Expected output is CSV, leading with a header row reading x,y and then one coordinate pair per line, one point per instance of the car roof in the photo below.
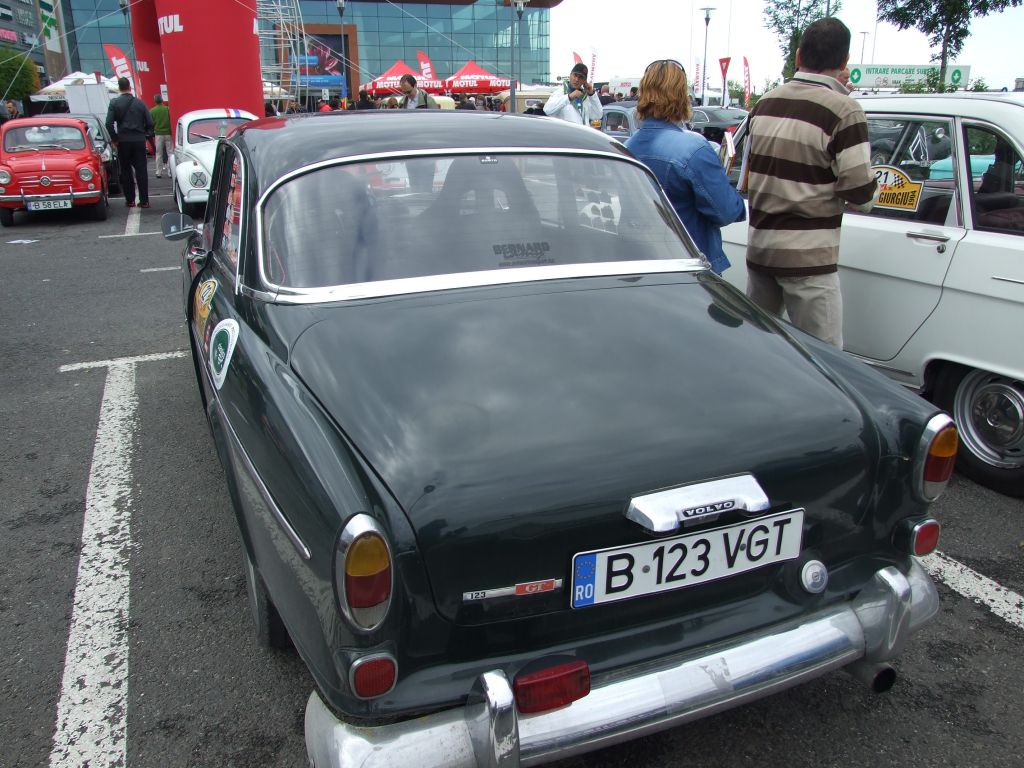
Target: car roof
x,y
63,119
953,103
276,146
206,114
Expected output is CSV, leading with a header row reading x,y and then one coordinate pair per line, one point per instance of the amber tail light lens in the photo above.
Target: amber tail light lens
x,y
363,573
936,457
551,688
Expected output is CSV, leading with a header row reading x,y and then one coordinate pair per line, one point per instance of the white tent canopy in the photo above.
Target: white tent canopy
x,y
55,91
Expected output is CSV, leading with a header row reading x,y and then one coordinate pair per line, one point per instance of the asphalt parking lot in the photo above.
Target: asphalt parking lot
x,y
104,429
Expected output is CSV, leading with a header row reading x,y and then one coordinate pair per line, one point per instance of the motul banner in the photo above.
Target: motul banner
x,y
746,83
121,65
426,66
202,72
149,60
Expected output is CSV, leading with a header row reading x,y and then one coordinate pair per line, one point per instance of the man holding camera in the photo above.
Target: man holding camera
x,y
575,100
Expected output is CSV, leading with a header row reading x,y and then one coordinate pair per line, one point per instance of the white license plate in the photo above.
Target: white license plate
x,y
634,570
48,205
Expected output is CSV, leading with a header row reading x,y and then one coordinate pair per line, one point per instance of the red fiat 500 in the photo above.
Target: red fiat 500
x,y
48,163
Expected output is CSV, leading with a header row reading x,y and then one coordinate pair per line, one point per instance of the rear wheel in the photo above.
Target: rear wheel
x,y
270,630
989,413
6,217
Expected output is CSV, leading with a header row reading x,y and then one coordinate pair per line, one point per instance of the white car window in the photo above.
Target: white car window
x,y
996,183
914,163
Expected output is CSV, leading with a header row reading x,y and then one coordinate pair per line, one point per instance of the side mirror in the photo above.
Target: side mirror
x,y
177,226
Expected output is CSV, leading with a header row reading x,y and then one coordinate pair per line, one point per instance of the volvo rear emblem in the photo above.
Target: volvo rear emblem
x,y
707,509
45,181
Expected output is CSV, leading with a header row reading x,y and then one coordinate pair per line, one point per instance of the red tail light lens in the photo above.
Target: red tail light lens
x,y
731,129
373,676
363,573
551,688
937,457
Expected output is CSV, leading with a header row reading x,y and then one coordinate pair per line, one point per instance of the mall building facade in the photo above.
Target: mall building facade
x,y
372,35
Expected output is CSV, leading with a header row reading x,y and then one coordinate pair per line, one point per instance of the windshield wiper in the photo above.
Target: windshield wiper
x,y
204,136
53,146
22,148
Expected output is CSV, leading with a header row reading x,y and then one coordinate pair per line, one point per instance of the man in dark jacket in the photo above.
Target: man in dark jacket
x,y
134,125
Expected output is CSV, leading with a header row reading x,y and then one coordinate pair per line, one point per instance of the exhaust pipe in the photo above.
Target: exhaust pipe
x,y
878,677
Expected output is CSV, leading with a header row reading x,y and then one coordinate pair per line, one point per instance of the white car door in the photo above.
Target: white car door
x,y
893,260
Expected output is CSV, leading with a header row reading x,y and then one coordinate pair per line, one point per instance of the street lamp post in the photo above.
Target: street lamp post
x,y
704,69
519,6
344,47
863,40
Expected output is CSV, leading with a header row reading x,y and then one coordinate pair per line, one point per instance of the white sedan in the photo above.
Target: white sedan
x,y
195,146
933,277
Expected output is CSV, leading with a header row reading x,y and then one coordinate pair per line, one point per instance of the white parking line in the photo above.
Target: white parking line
x,y
93,706
131,226
1003,602
160,269
128,234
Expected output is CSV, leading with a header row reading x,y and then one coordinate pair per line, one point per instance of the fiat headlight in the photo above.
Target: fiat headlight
x,y
85,174
5,177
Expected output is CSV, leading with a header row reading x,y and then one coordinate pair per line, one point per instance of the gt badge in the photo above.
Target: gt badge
x,y
519,590
222,345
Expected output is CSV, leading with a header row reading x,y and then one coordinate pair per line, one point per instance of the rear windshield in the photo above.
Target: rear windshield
x,y
440,215
726,114
36,137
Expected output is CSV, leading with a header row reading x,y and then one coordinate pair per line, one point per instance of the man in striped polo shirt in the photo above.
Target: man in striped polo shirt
x,y
808,158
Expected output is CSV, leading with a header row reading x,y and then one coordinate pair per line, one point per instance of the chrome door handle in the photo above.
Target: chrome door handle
x,y
927,236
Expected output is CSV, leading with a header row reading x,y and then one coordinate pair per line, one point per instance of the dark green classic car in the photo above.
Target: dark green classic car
x,y
515,472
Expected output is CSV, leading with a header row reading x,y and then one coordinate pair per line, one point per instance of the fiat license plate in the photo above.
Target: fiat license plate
x,y
634,570
48,205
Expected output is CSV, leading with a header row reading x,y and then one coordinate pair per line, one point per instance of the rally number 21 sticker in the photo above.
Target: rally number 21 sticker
x,y
222,345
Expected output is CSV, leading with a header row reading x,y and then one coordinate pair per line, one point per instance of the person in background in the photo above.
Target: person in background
x,y
323,106
684,162
619,96
11,110
365,102
574,100
414,98
605,97
808,158
161,132
392,103
634,93
130,125
268,111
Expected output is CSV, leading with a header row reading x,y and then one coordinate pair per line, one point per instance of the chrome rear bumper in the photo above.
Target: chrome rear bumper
x,y
489,733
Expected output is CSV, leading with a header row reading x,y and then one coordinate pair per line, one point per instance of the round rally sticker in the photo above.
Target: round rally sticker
x,y
222,345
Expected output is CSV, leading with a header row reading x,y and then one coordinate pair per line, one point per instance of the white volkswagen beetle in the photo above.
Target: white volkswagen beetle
x,y
195,142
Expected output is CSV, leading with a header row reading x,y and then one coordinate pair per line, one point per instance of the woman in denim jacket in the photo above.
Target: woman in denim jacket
x,y
684,162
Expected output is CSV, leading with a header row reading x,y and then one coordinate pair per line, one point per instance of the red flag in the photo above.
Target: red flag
x,y
746,83
724,63
577,58
121,65
426,65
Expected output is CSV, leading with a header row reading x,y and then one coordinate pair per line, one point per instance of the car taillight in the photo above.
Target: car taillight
x,y
917,538
936,457
731,129
551,688
362,572
373,676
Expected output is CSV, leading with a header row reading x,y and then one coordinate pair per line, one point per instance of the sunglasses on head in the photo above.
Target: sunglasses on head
x,y
665,61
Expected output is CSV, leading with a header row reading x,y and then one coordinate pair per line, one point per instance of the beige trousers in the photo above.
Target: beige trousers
x,y
814,303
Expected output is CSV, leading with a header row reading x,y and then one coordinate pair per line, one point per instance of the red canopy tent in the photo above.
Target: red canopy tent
x,y
389,81
473,78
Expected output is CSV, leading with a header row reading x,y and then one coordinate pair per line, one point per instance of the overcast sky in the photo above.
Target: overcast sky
x,y
628,34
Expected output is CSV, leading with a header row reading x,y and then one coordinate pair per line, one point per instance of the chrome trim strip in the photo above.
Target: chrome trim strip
x,y
42,198
701,502
1008,279
282,521
447,152
358,525
627,703
935,424
363,660
413,285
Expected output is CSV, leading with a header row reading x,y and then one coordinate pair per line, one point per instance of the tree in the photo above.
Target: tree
x,y
979,84
932,84
788,19
736,92
18,74
947,23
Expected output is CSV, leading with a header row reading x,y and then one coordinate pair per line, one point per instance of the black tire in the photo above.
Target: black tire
x,y
989,413
99,209
270,630
6,217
